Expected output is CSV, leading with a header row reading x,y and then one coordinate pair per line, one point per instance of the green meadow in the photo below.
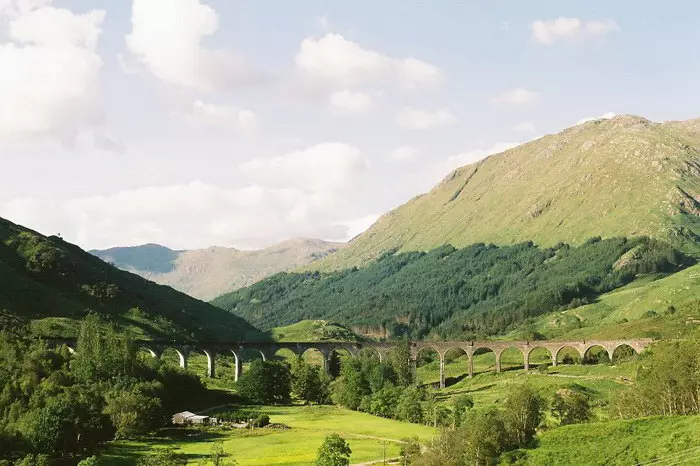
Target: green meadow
x,y
367,435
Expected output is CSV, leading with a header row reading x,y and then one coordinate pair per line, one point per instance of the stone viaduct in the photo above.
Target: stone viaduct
x,y
268,350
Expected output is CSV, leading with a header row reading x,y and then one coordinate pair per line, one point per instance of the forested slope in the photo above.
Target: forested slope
x,y
52,284
475,291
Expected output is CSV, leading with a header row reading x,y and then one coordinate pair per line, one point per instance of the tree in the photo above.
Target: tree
x,y
217,456
485,436
570,407
334,451
523,413
164,457
307,383
352,385
409,406
133,411
266,382
400,361
460,405
383,403
104,353
52,428
410,450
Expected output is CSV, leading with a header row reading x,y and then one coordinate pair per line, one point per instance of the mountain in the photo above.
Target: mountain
x,y
50,284
208,273
626,176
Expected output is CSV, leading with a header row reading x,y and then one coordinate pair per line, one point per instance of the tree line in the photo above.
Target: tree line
x,y
464,293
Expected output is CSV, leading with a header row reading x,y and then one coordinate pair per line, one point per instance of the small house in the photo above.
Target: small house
x,y
186,418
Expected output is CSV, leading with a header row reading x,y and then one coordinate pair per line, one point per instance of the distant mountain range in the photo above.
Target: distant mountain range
x,y
626,176
211,272
49,284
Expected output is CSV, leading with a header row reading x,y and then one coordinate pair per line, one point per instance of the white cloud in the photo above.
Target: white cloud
x,y
49,83
306,193
403,153
548,32
524,127
472,156
418,119
192,215
604,116
201,114
359,225
518,96
351,102
335,61
166,38
324,167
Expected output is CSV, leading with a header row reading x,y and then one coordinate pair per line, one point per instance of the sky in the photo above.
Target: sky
x,y
243,123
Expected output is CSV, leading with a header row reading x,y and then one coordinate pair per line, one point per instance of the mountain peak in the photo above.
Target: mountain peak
x,y
623,176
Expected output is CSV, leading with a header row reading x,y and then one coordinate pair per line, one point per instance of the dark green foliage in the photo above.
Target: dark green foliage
x,y
46,277
409,406
266,382
164,457
48,406
334,451
523,412
460,405
480,441
571,407
308,384
479,290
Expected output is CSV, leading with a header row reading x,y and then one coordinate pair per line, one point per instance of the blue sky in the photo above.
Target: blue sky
x,y
243,123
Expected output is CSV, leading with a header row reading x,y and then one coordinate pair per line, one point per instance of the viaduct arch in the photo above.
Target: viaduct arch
x,y
268,349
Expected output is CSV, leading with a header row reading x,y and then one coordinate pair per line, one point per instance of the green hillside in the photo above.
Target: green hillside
x,y
314,330
50,283
658,440
625,176
665,307
475,291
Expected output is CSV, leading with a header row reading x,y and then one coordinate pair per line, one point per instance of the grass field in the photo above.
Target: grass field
x,y
366,434
662,441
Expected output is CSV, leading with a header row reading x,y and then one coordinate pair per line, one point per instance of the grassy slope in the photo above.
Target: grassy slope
x,y
52,284
314,330
605,319
670,440
297,446
618,177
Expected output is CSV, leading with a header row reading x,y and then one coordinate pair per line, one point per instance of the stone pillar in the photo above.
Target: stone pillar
x,y
211,369
183,358
327,363
498,362
554,357
470,357
238,367
442,370
527,361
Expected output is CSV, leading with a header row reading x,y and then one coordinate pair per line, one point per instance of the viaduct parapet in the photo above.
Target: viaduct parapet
x,y
268,350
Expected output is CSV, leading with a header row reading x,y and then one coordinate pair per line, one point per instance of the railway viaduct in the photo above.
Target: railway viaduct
x,y
268,350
